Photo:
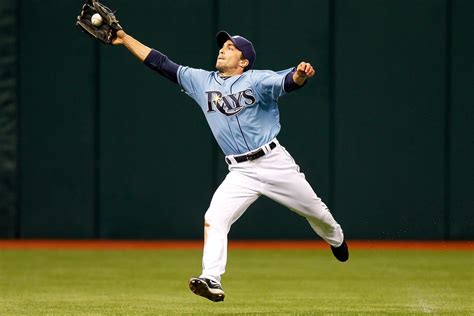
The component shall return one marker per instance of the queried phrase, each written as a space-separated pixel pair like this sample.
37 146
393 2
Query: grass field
257 282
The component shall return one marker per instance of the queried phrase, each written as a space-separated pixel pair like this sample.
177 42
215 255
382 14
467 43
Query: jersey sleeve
192 80
270 84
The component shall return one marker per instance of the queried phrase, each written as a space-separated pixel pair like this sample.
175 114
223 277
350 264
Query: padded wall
110 149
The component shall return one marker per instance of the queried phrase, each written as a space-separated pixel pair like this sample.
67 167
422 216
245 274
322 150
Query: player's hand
305 70
118 40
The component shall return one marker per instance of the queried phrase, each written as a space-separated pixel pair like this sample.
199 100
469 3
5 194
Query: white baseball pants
275 175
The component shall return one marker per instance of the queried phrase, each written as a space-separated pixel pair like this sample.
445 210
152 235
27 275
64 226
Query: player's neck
230 73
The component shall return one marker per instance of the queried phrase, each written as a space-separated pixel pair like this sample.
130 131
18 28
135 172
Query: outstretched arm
135 47
150 57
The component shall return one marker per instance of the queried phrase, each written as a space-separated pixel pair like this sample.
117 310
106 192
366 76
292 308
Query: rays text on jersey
229 104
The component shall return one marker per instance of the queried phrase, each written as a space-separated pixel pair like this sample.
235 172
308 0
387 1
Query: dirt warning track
241 244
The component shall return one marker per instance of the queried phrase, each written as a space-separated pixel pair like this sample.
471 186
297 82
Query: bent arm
297 78
303 72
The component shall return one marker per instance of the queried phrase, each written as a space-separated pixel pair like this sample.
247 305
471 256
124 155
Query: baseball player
241 108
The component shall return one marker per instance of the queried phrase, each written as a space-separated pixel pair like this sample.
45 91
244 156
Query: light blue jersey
242 111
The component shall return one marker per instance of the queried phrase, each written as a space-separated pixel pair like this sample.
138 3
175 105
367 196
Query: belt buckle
254 155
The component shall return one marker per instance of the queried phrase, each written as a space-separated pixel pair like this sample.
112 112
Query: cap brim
223 37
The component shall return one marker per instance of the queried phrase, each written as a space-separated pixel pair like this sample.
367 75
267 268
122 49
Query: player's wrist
299 79
120 38
301 75
121 34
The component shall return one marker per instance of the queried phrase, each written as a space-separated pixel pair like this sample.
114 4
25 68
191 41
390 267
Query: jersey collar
230 80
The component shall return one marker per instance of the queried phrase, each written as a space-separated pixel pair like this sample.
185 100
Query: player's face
230 59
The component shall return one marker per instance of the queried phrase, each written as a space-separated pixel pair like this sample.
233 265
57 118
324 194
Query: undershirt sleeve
289 85
162 64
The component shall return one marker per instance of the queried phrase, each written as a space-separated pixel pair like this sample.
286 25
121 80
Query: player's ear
243 63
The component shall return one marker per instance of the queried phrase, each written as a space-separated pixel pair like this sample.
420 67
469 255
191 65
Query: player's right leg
236 193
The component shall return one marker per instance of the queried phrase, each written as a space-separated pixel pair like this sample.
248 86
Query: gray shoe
207 288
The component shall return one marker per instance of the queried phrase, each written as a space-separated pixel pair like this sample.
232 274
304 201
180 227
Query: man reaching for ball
240 106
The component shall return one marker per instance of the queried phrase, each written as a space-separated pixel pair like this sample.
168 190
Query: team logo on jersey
229 104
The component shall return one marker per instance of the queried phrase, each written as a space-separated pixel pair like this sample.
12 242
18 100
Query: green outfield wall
385 131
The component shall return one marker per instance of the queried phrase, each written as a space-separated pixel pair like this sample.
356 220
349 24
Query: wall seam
447 122
331 99
18 232
97 143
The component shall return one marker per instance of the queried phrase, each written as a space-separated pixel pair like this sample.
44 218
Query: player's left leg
286 185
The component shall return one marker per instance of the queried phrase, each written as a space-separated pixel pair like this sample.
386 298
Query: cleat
341 253
207 288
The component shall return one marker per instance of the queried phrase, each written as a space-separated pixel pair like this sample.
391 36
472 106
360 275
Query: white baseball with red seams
96 19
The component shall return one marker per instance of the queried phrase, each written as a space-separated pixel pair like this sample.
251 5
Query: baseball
96 19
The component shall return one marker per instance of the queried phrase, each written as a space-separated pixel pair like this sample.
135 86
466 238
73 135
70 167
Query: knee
216 222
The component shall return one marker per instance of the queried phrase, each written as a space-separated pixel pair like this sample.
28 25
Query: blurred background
96 145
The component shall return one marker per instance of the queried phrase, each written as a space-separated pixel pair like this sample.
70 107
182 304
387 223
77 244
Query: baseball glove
107 31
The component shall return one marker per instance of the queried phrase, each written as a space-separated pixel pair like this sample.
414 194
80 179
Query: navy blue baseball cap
243 44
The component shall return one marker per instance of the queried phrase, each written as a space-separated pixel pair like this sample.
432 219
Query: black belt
255 155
